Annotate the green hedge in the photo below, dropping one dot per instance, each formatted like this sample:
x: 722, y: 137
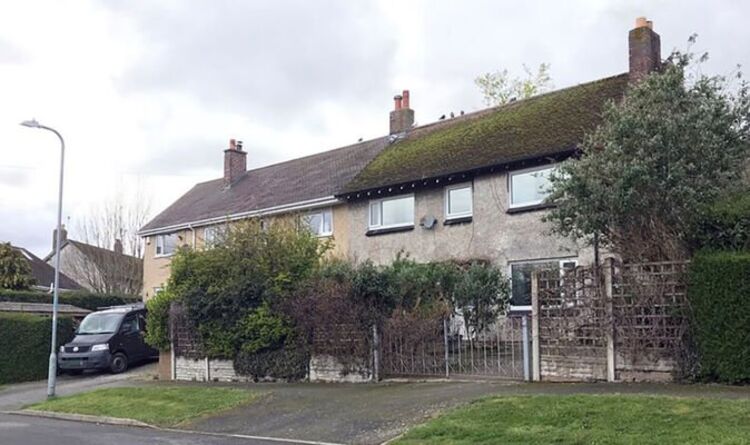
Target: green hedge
x: 85, y: 300
x: 25, y: 348
x: 727, y: 224
x: 719, y: 294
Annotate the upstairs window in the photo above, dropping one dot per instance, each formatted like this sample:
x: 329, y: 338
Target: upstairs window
x: 529, y: 187
x: 392, y: 212
x: 458, y: 201
x: 166, y: 244
x: 319, y: 222
x: 213, y: 235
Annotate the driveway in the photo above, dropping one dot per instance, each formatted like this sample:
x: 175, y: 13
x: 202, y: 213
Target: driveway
x: 373, y: 413
x: 15, y: 396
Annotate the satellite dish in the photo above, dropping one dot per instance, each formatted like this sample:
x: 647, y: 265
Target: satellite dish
x: 428, y: 222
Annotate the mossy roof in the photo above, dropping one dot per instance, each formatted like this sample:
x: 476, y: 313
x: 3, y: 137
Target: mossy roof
x: 541, y: 126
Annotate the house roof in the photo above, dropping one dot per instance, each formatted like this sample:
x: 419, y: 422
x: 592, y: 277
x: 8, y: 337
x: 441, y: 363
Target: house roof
x: 299, y: 180
x: 44, y: 274
x: 540, y: 126
x: 94, y: 253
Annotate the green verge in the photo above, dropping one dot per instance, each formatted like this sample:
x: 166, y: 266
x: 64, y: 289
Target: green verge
x: 589, y: 419
x: 162, y: 406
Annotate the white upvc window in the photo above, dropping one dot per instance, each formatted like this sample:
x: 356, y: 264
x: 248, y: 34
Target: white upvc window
x: 397, y: 211
x: 213, y: 235
x: 520, y: 278
x: 320, y: 222
x: 529, y: 186
x: 166, y: 245
x: 458, y: 201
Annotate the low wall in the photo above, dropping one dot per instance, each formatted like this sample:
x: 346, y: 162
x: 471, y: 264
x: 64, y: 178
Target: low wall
x: 325, y: 368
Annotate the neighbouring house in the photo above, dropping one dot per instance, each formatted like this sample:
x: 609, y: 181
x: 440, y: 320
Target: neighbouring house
x: 97, y: 269
x: 470, y: 187
x: 44, y: 274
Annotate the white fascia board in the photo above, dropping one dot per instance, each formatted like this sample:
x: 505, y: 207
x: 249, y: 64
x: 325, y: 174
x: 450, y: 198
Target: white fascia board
x: 285, y: 208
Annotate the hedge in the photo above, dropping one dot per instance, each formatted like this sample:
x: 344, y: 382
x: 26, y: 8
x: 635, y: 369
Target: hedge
x: 727, y: 224
x: 82, y: 299
x: 719, y: 294
x: 25, y: 352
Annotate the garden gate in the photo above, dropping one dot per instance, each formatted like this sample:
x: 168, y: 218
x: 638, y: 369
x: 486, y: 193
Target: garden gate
x: 445, y: 348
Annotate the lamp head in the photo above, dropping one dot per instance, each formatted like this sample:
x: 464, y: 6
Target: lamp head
x: 30, y: 123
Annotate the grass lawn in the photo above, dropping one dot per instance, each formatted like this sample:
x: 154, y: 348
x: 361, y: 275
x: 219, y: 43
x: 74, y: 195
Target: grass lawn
x: 163, y: 406
x: 589, y: 419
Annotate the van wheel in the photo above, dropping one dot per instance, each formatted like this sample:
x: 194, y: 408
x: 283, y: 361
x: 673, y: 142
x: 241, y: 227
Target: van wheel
x: 119, y: 363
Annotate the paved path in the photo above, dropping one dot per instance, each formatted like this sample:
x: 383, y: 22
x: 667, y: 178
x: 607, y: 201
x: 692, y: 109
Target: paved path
x: 15, y: 396
x: 373, y: 413
x: 22, y: 430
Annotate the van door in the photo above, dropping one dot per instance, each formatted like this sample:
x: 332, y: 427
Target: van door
x: 130, y: 338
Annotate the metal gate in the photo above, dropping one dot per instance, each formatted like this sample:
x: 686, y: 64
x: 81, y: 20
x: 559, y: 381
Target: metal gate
x: 444, y: 348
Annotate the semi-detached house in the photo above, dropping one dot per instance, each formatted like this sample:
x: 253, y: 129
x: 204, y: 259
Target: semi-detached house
x: 468, y: 187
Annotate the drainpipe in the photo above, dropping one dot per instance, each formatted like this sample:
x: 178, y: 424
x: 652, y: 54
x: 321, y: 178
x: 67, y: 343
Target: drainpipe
x: 190, y: 226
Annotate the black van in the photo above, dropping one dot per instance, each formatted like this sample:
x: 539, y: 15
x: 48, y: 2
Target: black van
x: 108, y: 339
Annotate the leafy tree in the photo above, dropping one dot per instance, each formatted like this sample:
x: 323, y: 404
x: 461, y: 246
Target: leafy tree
x: 481, y: 293
x: 229, y: 291
x: 499, y: 88
x: 662, y: 156
x: 15, y: 270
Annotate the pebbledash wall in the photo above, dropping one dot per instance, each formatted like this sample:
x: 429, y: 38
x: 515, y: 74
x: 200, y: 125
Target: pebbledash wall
x: 493, y: 234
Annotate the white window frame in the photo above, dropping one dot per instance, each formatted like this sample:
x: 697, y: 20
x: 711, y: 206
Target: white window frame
x: 160, y: 245
x: 560, y: 262
x: 321, y: 211
x: 513, y: 173
x: 448, y: 214
x: 379, y: 203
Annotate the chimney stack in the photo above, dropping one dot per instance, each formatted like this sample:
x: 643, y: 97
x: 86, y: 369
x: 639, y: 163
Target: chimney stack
x: 118, y: 246
x: 402, y: 116
x: 235, y: 163
x: 645, y: 49
x: 63, y: 237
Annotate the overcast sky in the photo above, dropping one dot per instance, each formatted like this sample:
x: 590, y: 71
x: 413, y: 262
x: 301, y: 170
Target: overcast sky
x: 147, y: 94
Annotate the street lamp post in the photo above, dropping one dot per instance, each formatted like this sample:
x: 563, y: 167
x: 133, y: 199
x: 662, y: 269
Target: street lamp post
x: 52, y: 373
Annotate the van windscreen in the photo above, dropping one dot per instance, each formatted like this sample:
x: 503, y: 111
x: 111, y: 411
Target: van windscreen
x: 99, y: 324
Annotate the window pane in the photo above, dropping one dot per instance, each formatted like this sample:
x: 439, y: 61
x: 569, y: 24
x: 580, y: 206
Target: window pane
x: 314, y: 222
x: 169, y: 244
x: 520, y: 277
x: 327, y: 221
x: 375, y: 214
x: 530, y: 187
x: 398, y: 211
x: 459, y: 201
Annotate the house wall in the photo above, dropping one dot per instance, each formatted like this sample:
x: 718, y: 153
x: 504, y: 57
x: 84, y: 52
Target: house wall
x: 492, y: 234
x: 156, y: 270
x: 77, y: 266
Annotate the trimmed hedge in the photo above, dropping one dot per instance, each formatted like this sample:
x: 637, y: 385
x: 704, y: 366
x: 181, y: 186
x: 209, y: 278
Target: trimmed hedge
x: 719, y: 294
x: 85, y: 300
x: 25, y: 348
x: 727, y: 224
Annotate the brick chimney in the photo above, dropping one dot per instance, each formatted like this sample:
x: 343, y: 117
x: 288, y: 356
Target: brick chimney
x: 235, y: 163
x: 645, y: 49
x: 63, y: 237
x: 118, y: 246
x: 402, y: 116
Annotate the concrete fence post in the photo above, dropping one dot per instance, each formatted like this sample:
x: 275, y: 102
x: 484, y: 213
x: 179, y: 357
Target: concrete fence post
x: 173, y: 362
x: 610, y: 319
x: 445, y: 345
x: 375, y: 353
x: 208, y: 369
x: 535, y: 354
x: 526, y: 349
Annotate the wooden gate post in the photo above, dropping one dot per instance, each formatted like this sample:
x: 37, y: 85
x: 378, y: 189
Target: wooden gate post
x: 536, y: 374
x: 610, y: 320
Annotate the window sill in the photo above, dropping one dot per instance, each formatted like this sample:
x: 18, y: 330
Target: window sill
x: 457, y: 220
x: 168, y: 255
x: 383, y: 231
x: 529, y: 208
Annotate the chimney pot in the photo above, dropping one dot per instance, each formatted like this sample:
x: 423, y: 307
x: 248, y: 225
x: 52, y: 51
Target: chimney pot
x: 405, y: 102
x: 232, y: 144
x: 397, y: 104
